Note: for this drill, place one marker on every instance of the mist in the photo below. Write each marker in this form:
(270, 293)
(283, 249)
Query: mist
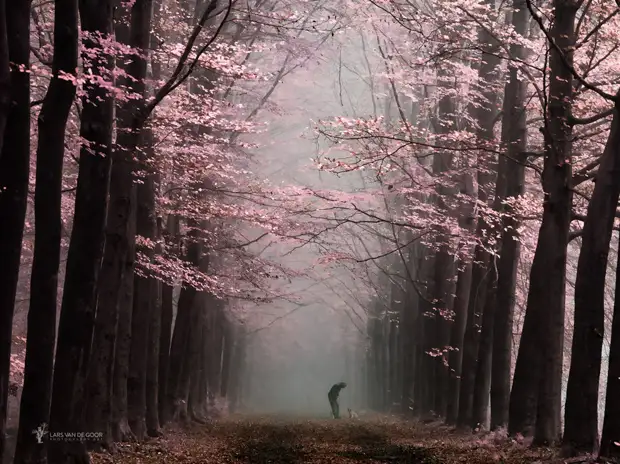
(298, 350)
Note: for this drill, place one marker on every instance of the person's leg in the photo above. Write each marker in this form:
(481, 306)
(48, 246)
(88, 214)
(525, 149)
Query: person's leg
(333, 406)
(336, 409)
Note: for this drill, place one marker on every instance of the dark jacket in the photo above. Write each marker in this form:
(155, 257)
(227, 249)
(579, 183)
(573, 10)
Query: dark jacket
(335, 391)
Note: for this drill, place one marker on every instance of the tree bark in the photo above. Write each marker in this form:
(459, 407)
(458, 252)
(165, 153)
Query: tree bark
(165, 337)
(444, 269)
(482, 382)
(455, 360)
(180, 338)
(514, 133)
(138, 357)
(611, 421)
(471, 341)
(229, 342)
(121, 211)
(120, 424)
(86, 245)
(542, 341)
(238, 365)
(198, 354)
(14, 172)
(5, 70)
(582, 398)
(214, 306)
(485, 114)
(152, 372)
(41, 338)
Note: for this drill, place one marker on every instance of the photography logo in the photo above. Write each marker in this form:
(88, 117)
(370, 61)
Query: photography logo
(40, 432)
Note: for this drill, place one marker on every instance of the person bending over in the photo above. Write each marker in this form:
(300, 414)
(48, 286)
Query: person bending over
(333, 398)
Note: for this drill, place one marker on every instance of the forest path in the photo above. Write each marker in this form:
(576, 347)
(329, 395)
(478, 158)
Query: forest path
(262, 440)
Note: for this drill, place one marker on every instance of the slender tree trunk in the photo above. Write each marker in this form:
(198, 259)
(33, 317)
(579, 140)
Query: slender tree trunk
(485, 114)
(153, 422)
(482, 382)
(455, 360)
(120, 424)
(165, 337)
(152, 372)
(611, 421)
(86, 245)
(582, 398)
(164, 352)
(180, 338)
(138, 356)
(426, 393)
(198, 368)
(477, 297)
(514, 128)
(14, 172)
(227, 357)
(237, 372)
(215, 335)
(408, 316)
(538, 374)
(444, 270)
(36, 393)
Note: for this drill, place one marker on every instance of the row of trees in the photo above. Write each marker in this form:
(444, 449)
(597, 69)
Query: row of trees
(505, 121)
(140, 180)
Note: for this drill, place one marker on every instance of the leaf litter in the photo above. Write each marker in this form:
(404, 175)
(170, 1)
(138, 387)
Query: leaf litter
(372, 439)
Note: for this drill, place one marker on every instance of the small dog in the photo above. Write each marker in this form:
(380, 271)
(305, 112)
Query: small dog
(352, 414)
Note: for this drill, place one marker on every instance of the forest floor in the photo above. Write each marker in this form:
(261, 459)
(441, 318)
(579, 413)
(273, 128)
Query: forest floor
(254, 440)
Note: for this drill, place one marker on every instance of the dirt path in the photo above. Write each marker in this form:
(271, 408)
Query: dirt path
(278, 441)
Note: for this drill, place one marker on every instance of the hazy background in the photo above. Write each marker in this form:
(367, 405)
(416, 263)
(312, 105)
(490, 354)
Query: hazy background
(300, 349)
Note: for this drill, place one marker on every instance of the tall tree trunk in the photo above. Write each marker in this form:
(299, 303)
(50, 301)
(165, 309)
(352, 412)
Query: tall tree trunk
(396, 363)
(227, 357)
(237, 371)
(180, 339)
(86, 245)
(582, 396)
(485, 114)
(138, 356)
(542, 341)
(5, 70)
(515, 137)
(455, 359)
(482, 382)
(467, 222)
(152, 373)
(120, 234)
(120, 424)
(166, 334)
(408, 316)
(444, 270)
(178, 379)
(36, 394)
(426, 392)
(611, 421)
(215, 335)
(14, 172)
(199, 350)
(477, 297)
